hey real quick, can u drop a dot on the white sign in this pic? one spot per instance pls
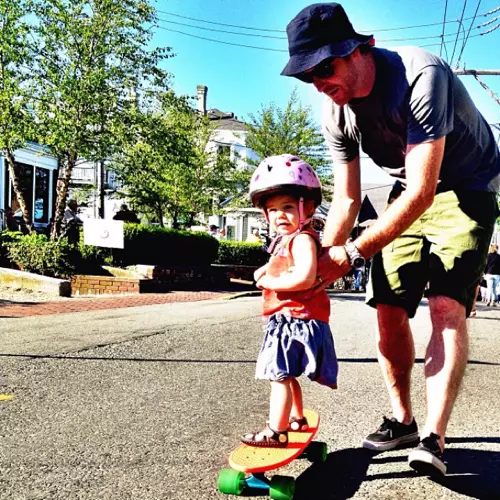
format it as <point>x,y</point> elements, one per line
<point>103,233</point>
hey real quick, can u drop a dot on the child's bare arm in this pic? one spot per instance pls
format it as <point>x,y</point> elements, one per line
<point>260,272</point>
<point>303,274</point>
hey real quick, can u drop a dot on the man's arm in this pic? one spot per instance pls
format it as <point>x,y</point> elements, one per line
<point>423,164</point>
<point>345,203</point>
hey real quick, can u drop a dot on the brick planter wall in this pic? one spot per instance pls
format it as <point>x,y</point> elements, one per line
<point>82,284</point>
<point>144,279</point>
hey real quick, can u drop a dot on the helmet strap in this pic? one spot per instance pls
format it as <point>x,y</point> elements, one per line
<point>301,213</point>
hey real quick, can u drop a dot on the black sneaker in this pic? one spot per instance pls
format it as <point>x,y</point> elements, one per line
<point>391,434</point>
<point>427,457</point>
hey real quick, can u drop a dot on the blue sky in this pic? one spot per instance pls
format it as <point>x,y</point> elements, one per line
<point>241,79</point>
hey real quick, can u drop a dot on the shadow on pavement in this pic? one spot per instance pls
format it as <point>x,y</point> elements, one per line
<point>338,478</point>
<point>473,473</point>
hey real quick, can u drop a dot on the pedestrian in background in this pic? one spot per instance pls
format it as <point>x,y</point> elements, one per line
<point>492,276</point>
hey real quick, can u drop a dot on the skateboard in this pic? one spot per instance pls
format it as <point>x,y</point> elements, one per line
<point>249,463</point>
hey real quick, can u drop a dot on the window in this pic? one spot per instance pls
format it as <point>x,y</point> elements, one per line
<point>25,177</point>
<point>224,151</point>
<point>41,209</point>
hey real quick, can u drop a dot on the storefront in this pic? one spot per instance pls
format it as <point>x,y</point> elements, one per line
<point>37,178</point>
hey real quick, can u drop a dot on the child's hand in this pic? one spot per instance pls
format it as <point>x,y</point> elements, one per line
<point>259,273</point>
<point>265,282</point>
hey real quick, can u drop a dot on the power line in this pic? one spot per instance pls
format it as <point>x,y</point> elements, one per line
<point>444,25</point>
<point>286,51</point>
<point>468,33</point>
<point>472,36</point>
<point>284,38</point>
<point>220,41</point>
<point>456,40</point>
<point>253,28</point>
<point>223,31</point>
<point>219,24</point>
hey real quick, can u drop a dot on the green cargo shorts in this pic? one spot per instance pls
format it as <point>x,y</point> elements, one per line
<point>443,252</point>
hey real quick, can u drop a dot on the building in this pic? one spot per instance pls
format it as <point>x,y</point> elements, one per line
<point>38,178</point>
<point>229,138</point>
<point>85,177</point>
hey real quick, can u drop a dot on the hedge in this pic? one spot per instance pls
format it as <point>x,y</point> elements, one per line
<point>35,253</point>
<point>143,245</point>
<point>241,253</point>
<point>6,239</point>
<point>153,245</point>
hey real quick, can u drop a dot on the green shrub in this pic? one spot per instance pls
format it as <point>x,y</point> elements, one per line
<point>163,246</point>
<point>241,253</point>
<point>6,239</point>
<point>35,253</point>
<point>153,245</point>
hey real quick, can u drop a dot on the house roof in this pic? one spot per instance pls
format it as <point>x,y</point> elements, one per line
<point>377,194</point>
<point>226,121</point>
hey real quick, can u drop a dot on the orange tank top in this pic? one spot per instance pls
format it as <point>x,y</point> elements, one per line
<point>301,304</point>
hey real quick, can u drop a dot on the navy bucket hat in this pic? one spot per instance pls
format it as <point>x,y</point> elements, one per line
<point>318,32</point>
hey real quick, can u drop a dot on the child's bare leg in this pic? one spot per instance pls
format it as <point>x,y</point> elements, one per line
<point>280,405</point>
<point>297,403</point>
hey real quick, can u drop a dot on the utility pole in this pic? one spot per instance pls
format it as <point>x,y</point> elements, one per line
<point>474,72</point>
<point>100,188</point>
<point>486,72</point>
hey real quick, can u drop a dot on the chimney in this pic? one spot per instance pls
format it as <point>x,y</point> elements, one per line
<point>202,98</point>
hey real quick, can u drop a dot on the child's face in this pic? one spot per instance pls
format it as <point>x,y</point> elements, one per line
<point>283,213</point>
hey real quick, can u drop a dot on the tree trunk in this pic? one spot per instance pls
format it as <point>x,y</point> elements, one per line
<point>159,213</point>
<point>14,177</point>
<point>63,178</point>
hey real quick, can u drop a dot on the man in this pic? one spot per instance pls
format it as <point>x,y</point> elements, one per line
<point>126,215</point>
<point>411,114</point>
<point>71,223</point>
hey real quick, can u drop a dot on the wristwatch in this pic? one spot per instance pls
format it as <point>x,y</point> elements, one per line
<point>353,256</point>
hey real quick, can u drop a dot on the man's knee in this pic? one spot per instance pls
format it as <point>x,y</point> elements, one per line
<point>446,313</point>
<point>391,319</point>
<point>394,335</point>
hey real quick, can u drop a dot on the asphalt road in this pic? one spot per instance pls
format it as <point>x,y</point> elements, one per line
<point>147,403</point>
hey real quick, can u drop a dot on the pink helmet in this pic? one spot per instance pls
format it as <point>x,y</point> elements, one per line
<point>285,173</point>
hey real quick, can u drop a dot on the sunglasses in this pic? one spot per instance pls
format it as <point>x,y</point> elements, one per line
<point>322,70</point>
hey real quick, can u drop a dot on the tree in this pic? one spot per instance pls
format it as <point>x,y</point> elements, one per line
<point>92,54</point>
<point>291,130</point>
<point>166,169</point>
<point>16,121</point>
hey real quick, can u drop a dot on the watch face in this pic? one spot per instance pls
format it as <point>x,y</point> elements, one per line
<point>358,262</point>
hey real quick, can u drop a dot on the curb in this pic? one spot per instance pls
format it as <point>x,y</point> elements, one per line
<point>250,293</point>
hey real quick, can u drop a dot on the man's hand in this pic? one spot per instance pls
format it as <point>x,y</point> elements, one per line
<point>332,265</point>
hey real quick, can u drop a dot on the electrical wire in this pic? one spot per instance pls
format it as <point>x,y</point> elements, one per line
<point>461,21</point>
<point>220,41</point>
<point>223,31</point>
<point>444,26</point>
<point>468,33</point>
<point>253,28</point>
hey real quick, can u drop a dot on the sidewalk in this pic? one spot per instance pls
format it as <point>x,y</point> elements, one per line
<point>22,309</point>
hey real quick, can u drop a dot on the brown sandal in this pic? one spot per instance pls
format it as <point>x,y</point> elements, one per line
<point>266,438</point>
<point>298,424</point>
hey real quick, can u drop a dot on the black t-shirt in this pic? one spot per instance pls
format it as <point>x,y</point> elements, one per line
<point>416,98</point>
<point>493,264</point>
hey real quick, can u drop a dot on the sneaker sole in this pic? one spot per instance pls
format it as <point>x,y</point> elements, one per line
<point>426,463</point>
<point>391,445</point>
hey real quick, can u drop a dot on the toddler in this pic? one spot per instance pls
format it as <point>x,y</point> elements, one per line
<point>297,337</point>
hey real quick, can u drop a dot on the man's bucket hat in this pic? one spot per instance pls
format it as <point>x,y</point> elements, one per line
<point>318,32</point>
